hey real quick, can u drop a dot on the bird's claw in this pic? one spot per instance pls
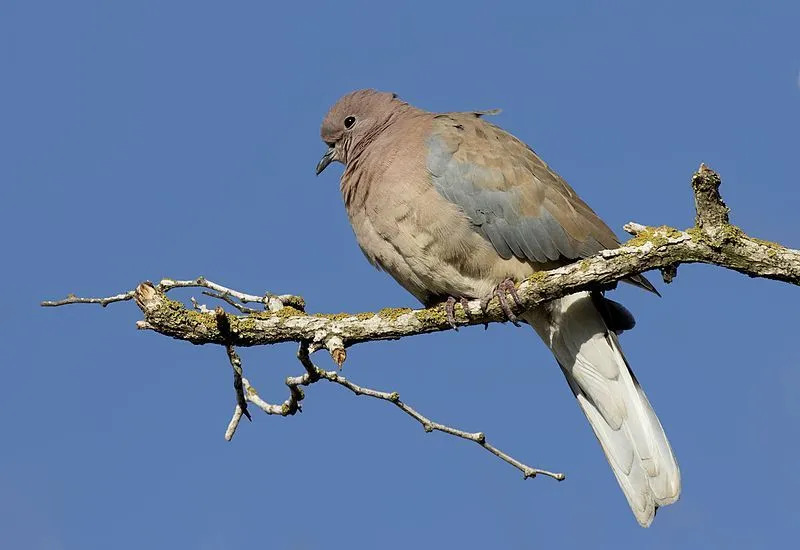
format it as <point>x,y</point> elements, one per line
<point>505,287</point>
<point>450,309</point>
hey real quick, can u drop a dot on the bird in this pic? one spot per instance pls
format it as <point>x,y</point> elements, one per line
<point>455,208</point>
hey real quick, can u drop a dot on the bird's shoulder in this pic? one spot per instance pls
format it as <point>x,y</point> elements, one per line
<point>469,138</point>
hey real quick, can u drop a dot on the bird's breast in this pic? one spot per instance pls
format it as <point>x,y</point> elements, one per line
<point>425,242</point>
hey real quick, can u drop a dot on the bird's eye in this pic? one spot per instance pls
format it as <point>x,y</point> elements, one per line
<point>349,121</point>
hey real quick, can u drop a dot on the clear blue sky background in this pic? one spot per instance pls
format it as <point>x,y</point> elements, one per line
<point>149,139</point>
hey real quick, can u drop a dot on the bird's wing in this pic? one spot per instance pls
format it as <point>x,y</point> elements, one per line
<point>512,198</point>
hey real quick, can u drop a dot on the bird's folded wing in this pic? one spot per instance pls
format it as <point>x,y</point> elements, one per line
<point>512,198</point>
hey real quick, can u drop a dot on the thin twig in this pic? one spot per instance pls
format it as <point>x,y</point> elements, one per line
<point>234,423</point>
<point>226,298</point>
<point>427,424</point>
<point>314,374</point>
<point>236,363</point>
<point>288,407</point>
<point>291,405</point>
<point>270,301</point>
<point>72,299</point>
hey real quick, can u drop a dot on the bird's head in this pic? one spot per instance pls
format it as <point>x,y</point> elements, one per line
<point>353,122</point>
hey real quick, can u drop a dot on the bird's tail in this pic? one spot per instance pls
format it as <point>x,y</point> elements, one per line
<point>609,394</point>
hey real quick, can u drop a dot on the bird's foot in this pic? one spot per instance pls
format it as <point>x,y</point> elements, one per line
<point>506,287</point>
<point>450,309</point>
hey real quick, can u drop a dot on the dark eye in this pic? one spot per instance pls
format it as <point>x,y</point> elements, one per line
<point>349,121</point>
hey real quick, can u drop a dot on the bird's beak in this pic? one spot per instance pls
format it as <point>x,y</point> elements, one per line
<point>326,159</point>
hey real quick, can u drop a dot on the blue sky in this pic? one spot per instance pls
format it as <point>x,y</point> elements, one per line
<point>150,139</point>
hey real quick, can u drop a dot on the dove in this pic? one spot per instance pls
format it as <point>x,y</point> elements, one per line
<point>455,208</point>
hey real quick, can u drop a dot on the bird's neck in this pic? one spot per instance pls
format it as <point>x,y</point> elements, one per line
<point>398,113</point>
<point>365,162</point>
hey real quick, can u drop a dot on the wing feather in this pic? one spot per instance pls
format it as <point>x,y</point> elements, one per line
<point>511,197</point>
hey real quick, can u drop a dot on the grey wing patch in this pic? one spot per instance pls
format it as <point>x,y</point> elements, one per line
<point>494,212</point>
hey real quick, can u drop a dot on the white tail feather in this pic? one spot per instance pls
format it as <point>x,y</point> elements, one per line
<point>609,394</point>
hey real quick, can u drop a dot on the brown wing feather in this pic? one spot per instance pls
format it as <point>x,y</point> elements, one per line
<point>511,196</point>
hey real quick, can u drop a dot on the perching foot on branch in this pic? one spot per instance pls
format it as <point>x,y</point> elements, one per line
<point>500,291</point>
<point>450,310</point>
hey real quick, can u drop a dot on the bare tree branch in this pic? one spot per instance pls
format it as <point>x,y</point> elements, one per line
<point>314,374</point>
<point>713,240</point>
